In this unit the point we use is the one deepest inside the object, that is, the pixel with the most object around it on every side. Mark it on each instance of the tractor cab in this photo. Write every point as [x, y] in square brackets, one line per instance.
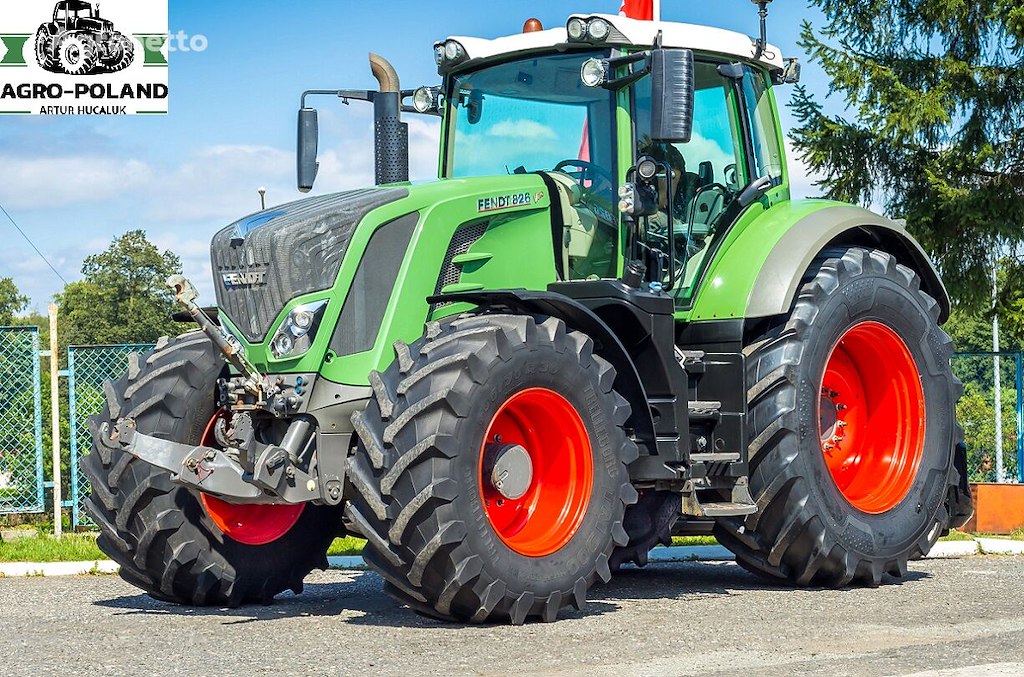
[585, 103]
[75, 14]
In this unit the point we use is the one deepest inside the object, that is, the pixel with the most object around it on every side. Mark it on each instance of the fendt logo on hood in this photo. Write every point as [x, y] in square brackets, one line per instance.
[81, 62]
[250, 279]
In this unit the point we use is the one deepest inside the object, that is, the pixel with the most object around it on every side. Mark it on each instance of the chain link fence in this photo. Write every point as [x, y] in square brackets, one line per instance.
[88, 368]
[21, 421]
[994, 435]
[992, 456]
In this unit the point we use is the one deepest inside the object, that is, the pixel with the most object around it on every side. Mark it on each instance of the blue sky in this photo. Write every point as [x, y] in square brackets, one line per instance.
[74, 183]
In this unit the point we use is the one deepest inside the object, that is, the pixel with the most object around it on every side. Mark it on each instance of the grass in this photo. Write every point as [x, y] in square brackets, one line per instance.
[350, 545]
[82, 547]
[694, 540]
[71, 548]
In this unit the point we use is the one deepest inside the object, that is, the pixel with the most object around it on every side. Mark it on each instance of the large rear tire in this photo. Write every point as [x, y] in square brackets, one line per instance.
[440, 531]
[841, 501]
[165, 538]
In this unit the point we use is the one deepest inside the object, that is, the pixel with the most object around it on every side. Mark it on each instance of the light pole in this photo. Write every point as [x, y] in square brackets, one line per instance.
[263, 197]
[998, 385]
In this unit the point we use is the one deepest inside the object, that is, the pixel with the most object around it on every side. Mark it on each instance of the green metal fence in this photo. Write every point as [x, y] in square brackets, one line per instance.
[88, 368]
[21, 421]
[21, 438]
[995, 444]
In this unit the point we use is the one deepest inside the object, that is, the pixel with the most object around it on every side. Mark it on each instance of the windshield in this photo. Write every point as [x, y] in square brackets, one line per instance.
[533, 115]
[529, 115]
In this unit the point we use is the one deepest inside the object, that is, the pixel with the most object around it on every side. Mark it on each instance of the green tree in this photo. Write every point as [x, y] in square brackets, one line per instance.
[12, 301]
[935, 89]
[122, 298]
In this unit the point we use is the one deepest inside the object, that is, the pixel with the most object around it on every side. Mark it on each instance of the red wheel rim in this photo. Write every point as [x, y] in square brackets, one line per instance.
[872, 417]
[251, 524]
[551, 431]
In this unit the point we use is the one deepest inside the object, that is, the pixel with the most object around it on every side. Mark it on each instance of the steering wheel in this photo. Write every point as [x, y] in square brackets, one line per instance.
[596, 186]
[590, 172]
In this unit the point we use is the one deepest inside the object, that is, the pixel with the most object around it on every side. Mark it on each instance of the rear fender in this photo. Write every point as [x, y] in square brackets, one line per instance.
[759, 271]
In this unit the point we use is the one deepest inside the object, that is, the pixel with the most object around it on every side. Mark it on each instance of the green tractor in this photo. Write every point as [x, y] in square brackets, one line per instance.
[605, 323]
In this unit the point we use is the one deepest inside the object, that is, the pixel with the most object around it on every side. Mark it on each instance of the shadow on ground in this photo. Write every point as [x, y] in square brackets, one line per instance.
[363, 602]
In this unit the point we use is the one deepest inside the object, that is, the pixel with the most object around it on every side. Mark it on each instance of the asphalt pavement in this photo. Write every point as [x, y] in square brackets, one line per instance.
[948, 617]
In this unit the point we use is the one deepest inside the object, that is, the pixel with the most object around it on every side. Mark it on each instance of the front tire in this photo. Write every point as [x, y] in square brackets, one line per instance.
[840, 500]
[165, 537]
[77, 54]
[446, 540]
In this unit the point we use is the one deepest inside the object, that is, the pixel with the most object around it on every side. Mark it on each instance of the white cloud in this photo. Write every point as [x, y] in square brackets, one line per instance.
[522, 129]
[63, 181]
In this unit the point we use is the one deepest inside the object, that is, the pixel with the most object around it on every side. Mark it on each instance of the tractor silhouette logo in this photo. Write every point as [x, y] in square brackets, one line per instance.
[78, 42]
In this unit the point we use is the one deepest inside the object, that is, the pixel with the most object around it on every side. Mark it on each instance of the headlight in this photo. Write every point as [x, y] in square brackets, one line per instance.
[577, 29]
[592, 30]
[598, 29]
[449, 54]
[295, 335]
[452, 50]
[594, 72]
[425, 99]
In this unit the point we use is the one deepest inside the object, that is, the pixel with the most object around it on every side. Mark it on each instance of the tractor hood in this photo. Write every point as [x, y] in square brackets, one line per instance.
[266, 259]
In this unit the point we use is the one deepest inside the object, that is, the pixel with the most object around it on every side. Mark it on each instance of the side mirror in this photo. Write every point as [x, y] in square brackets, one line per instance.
[672, 92]
[791, 73]
[306, 164]
[475, 107]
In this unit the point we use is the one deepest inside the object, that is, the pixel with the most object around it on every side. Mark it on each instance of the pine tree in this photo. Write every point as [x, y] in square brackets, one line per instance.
[935, 94]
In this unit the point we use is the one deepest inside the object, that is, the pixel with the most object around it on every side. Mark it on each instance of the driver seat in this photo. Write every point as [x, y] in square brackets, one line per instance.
[580, 222]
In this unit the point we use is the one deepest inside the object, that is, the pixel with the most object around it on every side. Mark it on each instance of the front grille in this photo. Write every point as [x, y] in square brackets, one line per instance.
[263, 261]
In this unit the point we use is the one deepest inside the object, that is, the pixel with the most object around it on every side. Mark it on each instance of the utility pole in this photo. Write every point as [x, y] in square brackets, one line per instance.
[999, 392]
[263, 197]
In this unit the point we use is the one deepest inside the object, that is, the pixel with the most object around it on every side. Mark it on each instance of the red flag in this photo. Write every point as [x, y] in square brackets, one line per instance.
[638, 9]
[585, 141]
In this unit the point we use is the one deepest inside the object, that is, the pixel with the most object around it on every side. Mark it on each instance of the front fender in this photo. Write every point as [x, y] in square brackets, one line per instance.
[576, 316]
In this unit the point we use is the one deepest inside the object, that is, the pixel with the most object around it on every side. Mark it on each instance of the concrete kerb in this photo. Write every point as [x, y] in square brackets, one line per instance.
[688, 553]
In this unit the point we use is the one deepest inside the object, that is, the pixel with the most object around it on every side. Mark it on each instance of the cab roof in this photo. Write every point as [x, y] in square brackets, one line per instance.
[627, 32]
[74, 5]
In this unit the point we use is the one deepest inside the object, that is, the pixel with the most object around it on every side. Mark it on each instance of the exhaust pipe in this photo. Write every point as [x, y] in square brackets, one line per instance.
[390, 134]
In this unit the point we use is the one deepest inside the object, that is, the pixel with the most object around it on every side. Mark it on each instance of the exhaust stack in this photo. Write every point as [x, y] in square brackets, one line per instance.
[390, 134]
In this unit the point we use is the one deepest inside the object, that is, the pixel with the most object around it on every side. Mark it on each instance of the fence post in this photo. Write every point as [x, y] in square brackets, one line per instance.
[58, 527]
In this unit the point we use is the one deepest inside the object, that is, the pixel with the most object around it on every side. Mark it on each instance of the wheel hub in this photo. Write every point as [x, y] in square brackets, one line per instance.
[536, 471]
[871, 416]
[511, 469]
